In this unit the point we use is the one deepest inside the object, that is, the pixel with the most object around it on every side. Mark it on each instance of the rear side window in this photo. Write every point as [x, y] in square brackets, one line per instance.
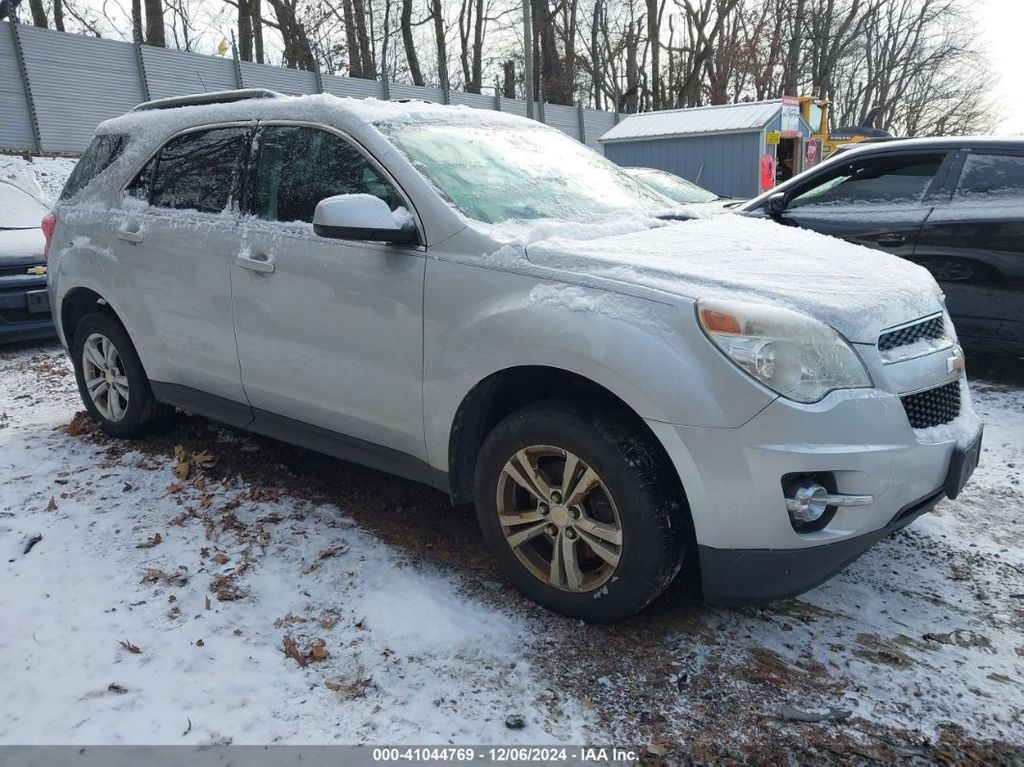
[97, 158]
[195, 171]
[874, 181]
[299, 166]
[992, 177]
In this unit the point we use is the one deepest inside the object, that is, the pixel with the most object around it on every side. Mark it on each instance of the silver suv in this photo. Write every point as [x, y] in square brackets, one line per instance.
[478, 302]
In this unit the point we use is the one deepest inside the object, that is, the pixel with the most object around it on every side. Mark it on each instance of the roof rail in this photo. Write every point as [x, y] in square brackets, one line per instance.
[214, 97]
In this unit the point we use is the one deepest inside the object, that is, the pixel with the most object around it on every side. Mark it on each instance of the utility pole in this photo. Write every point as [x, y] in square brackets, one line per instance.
[528, 56]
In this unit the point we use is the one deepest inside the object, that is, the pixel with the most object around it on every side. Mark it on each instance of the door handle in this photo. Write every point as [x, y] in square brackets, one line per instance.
[261, 263]
[129, 235]
[891, 240]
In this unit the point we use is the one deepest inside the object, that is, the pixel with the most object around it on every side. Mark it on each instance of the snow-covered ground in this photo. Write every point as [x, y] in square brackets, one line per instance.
[925, 630]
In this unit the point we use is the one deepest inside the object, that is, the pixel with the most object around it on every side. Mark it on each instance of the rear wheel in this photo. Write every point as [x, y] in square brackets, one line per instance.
[111, 380]
[578, 512]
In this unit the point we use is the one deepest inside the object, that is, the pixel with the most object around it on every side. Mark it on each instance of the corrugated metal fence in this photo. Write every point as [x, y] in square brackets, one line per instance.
[55, 88]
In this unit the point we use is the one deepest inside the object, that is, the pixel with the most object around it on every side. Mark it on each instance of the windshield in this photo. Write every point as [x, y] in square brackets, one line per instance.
[674, 187]
[516, 173]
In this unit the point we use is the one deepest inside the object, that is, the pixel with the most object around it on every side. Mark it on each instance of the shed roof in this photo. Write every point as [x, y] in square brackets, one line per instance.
[735, 118]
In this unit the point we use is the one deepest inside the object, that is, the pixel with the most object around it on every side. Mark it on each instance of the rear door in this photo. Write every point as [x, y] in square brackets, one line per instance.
[973, 243]
[177, 235]
[879, 201]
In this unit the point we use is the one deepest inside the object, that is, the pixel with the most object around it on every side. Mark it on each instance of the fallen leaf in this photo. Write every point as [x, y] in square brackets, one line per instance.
[328, 622]
[154, 575]
[208, 603]
[155, 540]
[203, 458]
[339, 548]
[221, 558]
[318, 650]
[115, 687]
[354, 689]
[52, 505]
[291, 649]
[200, 643]
[130, 647]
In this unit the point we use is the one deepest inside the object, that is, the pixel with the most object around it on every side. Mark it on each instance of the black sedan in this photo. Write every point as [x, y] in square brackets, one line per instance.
[953, 205]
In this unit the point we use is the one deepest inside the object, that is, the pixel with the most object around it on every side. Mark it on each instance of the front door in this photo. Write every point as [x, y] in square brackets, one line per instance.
[329, 332]
[177, 234]
[973, 243]
[879, 202]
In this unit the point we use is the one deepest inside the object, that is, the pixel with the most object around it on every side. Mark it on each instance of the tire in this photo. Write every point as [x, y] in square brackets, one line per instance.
[632, 496]
[125, 405]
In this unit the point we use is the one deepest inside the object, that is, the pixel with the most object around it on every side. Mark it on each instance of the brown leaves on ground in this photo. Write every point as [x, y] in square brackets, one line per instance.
[184, 460]
[155, 575]
[52, 505]
[134, 649]
[221, 558]
[80, 425]
[226, 589]
[316, 652]
[154, 540]
[350, 689]
[339, 548]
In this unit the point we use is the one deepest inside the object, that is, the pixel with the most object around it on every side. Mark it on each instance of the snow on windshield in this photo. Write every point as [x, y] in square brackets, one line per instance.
[674, 187]
[520, 173]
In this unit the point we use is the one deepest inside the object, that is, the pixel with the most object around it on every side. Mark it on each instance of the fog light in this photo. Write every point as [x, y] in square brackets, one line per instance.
[808, 503]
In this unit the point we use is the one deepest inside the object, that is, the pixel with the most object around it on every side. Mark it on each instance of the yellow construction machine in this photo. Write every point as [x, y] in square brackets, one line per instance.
[814, 111]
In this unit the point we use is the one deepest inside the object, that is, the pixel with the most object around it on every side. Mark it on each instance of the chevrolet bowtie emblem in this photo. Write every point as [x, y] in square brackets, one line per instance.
[36, 270]
[955, 364]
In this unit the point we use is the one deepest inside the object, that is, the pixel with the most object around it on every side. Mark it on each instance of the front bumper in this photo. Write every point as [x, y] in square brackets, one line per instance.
[752, 576]
[24, 304]
[749, 550]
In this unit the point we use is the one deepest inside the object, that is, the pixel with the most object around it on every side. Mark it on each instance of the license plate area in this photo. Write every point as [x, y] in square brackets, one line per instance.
[962, 465]
[38, 301]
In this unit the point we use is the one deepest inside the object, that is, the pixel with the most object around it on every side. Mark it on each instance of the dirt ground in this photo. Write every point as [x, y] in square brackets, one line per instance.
[914, 653]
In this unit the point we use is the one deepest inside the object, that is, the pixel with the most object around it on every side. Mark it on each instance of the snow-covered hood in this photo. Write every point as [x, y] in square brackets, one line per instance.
[856, 290]
[19, 244]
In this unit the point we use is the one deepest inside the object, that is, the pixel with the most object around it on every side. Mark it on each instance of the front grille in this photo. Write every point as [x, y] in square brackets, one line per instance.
[930, 329]
[933, 407]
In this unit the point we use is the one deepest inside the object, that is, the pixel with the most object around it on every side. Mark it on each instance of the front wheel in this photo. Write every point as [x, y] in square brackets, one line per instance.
[578, 511]
[111, 379]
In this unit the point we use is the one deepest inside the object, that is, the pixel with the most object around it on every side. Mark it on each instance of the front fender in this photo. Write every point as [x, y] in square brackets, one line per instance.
[480, 320]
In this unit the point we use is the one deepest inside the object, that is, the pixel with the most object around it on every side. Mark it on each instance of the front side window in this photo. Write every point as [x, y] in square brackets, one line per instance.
[194, 171]
[992, 178]
[297, 167]
[875, 181]
[496, 173]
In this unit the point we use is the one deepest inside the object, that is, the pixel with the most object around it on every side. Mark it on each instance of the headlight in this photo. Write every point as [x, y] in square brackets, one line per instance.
[797, 356]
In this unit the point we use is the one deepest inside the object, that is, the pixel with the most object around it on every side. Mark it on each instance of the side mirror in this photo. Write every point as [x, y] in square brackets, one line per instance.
[775, 206]
[362, 217]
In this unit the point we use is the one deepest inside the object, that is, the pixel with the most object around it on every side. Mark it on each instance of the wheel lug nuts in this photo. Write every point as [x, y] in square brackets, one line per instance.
[556, 497]
[570, 534]
[574, 513]
[544, 509]
[552, 530]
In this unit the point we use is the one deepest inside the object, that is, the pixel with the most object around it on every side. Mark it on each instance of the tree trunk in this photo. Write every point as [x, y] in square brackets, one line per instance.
[137, 21]
[508, 87]
[442, 48]
[792, 81]
[244, 31]
[155, 23]
[58, 15]
[368, 66]
[256, 14]
[410, 44]
[38, 13]
[355, 62]
[478, 48]
[654, 36]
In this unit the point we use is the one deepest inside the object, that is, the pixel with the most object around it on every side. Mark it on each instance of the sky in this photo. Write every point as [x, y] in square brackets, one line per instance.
[1001, 24]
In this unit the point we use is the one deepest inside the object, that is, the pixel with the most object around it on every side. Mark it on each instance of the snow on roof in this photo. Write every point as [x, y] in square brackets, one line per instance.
[676, 122]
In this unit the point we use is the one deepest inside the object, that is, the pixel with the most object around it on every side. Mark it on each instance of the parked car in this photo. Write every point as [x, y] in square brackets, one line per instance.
[678, 189]
[953, 205]
[24, 300]
[479, 302]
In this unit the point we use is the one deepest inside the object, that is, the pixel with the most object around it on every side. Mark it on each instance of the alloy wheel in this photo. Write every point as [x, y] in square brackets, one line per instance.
[105, 377]
[559, 518]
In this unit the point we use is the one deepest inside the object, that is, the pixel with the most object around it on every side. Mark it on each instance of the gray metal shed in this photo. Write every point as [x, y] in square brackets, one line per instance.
[718, 147]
